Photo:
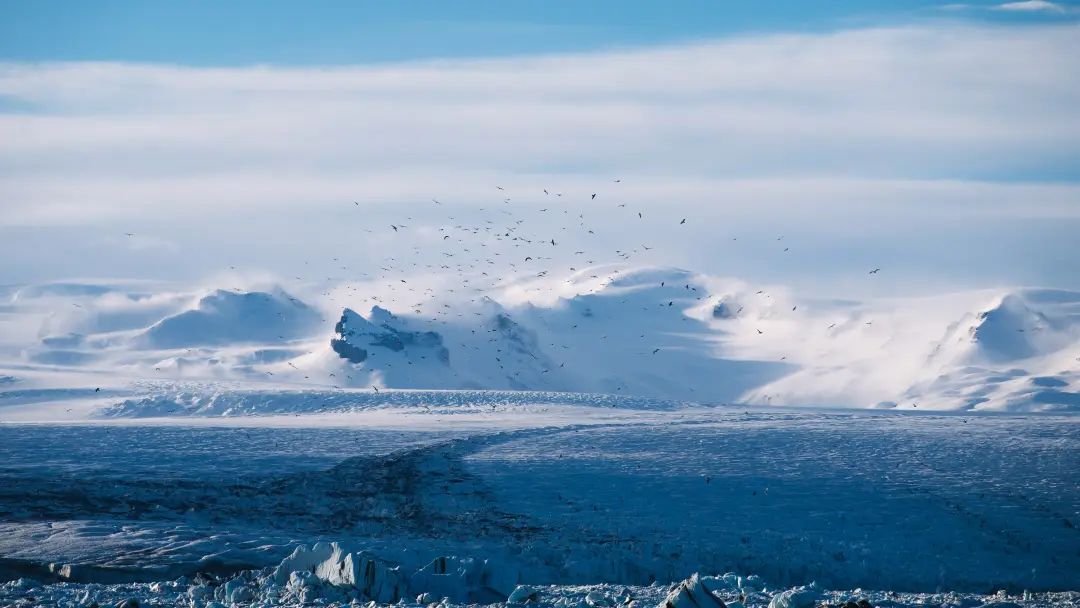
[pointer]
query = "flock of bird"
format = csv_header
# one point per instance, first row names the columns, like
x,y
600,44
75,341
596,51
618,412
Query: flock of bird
x,y
483,249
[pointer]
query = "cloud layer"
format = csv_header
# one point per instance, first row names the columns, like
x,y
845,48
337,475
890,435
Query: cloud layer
x,y
917,103
941,120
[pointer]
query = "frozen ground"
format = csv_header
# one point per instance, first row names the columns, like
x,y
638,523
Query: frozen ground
x,y
545,492
252,446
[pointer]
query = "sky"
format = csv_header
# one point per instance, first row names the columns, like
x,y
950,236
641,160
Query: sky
x,y
341,32
175,140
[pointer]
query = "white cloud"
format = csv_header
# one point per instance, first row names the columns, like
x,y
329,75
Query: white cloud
x,y
911,103
1032,6
829,131
139,242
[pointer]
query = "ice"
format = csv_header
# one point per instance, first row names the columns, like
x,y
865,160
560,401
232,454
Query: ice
x,y
522,594
254,588
478,503
331,564
693,593
800,597
588,441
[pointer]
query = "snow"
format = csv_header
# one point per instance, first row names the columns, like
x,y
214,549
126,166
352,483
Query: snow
x,y
693,593
472,506
588,440
304,588
224,317
801,597
649,332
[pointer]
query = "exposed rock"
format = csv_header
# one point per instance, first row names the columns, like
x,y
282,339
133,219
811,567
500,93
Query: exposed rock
x,y
725,310
353,354
357,336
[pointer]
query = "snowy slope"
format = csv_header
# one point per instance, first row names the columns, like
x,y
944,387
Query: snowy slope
x,y
617,332
224,318
1021,353
654,332
1017,350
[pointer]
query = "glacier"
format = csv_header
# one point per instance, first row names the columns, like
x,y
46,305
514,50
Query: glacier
x,y
617,436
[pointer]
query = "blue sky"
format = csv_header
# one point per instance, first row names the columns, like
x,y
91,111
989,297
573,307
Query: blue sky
x,y
239,32
939,140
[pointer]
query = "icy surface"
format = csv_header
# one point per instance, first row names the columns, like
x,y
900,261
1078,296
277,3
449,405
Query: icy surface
x,y
228,447
385,584
477,503
188,400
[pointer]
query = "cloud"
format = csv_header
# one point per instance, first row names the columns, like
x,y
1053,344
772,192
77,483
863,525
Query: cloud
x,y
1022,6
908,103
139,243
1041,6
940,124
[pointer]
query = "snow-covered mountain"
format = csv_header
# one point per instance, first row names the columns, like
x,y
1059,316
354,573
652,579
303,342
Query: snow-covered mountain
x,y
1021,352
225,318
624,332
1013,350
654,332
